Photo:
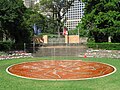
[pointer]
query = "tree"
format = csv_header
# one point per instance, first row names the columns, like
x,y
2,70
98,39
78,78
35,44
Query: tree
x,y
56,9
12,16
102,19
38,19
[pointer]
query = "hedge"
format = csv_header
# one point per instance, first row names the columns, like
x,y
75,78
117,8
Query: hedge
x,y
107,46
5,46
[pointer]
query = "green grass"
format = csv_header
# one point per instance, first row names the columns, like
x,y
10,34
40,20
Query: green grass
x,y
9,82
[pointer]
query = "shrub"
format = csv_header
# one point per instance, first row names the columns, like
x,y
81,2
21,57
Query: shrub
x,y
107,46
82,33
5,45
3,53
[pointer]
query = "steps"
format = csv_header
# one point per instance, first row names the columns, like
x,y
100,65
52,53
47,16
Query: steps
x,y
60,51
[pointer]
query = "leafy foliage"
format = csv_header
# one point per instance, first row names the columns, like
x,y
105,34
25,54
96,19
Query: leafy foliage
x,y
56,10
36,18
5,46
107,46
102,18
12,16
81,33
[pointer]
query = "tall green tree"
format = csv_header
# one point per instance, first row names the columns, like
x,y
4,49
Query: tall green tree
x,y
38,19
56,9
12,16
102,19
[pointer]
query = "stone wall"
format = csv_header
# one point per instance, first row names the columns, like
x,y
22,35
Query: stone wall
x,y
68,39
72,39
56,40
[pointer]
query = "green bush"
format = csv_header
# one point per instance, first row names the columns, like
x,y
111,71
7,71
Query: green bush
x,y
6,45
73,32
3,53
48,34
107,46
82,33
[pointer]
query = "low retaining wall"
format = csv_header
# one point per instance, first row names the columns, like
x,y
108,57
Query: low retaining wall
x,y
71,39
60,51
80,51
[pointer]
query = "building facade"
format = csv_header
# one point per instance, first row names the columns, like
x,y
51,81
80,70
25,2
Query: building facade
x,y
74,14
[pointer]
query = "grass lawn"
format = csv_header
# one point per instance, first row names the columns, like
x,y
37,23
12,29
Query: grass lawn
x,y
9,82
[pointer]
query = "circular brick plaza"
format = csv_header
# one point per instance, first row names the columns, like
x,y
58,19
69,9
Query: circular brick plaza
x,y
61,70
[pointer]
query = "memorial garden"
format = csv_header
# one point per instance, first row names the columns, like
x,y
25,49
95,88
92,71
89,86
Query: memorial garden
x,y
38,51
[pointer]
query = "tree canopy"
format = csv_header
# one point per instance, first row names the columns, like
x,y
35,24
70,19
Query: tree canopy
x,y
102,19
12,17
56,10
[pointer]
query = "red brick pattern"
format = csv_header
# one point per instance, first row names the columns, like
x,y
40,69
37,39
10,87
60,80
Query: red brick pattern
x,y
61,70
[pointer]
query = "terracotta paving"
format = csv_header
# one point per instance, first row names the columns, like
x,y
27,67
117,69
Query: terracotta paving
x,y
61,70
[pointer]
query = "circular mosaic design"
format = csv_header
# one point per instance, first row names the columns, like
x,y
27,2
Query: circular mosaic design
x,y
61,70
